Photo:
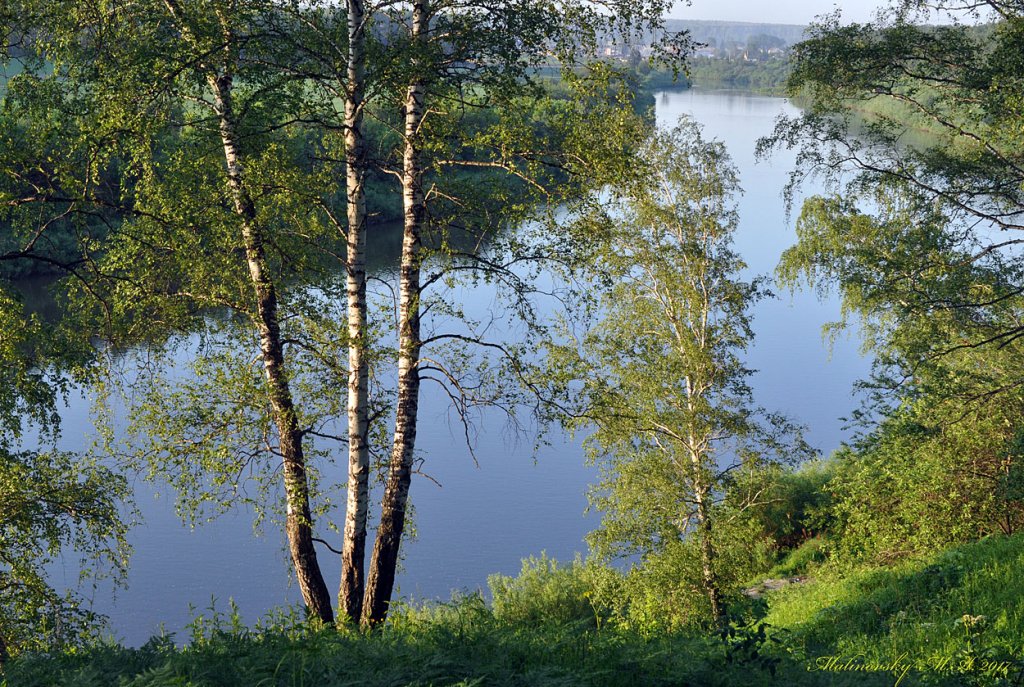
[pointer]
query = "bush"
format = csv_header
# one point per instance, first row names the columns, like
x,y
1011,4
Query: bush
x,y
912,489
545,593
666,593
795,504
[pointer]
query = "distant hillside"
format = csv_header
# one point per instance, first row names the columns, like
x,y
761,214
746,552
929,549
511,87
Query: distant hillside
x,y
718,32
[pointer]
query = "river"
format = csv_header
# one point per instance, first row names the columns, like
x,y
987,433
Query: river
x,y
484,518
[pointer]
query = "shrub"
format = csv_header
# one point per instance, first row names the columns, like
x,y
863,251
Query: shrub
x,y
912,489
665,592
794,504
545,593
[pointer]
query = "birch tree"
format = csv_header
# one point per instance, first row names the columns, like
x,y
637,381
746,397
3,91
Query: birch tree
x,y
160,82
217,61
353,554
468,56
331,47
665,386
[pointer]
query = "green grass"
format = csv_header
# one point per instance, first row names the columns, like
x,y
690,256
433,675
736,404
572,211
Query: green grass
x,y
958,610
461,644
542,630
802,560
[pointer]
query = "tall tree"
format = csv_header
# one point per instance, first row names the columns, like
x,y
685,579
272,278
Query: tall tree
x,y
465,56
160,82
353,554
332,48
384,560
664,384
217,60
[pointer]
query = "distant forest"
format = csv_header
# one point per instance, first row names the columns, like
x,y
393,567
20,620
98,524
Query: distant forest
x,y
717,32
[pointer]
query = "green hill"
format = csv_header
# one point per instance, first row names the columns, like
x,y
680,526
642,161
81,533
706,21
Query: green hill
x,y
718,32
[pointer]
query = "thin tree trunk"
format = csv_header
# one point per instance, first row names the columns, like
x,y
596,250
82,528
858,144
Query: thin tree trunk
x,y
696,388
350,593
381,578
298,519
707,551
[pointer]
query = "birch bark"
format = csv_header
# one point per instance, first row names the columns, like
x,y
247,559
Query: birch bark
x,y
298,517
384,561
707,548
350,594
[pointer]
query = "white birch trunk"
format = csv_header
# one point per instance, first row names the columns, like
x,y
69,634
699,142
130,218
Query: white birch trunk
x,y
350,594
381,579
298,519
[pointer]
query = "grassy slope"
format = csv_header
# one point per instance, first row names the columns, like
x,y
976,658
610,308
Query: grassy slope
x,y
912,612
916,608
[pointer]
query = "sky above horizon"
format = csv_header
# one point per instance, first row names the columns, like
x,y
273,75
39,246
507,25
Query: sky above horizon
x,y
776,11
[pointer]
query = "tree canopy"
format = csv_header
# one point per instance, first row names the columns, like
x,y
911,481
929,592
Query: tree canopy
x,y
662,378
916,127
916,131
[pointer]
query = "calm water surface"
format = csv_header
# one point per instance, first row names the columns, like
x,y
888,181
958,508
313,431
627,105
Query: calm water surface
x,y
484,519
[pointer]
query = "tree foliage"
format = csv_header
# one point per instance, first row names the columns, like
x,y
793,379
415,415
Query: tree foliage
x,y
916,129
921,233
54,505
663,379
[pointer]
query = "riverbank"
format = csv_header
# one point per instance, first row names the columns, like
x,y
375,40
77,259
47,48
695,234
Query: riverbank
x,y
953,618
764,78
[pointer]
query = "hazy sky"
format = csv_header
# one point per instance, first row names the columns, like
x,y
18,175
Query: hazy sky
x,y
775,11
